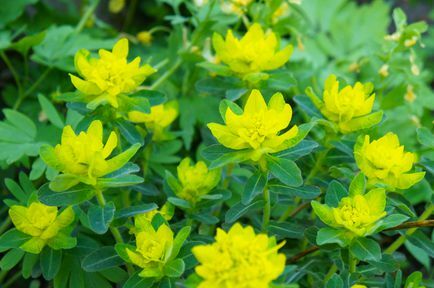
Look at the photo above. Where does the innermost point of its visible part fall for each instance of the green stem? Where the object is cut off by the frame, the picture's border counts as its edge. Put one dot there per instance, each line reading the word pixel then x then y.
pixel 13 72
pixel 12 279
pixel 166 75
pixel 86 16
pixel 317 166
pixel 267 209
pixel 352 262
pixel 330 273
pixel 115 231
pixel 130 14
pixel 398 242
pixel 24 95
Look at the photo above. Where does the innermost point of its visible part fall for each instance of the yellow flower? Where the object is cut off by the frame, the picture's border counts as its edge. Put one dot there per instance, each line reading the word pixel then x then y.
pixel 356 214
pixel 109 76
pixel 258 128
pixel 44 225
pixel 196 180
pixel 141 220
pixel 144 37
pixel 350 108
pixel 115 6
pixel 158 120
pixel 239 258
pixel 83 157
pixel 255 52
pixel 385 161
pixel 153 249
pixel 238 7
pixel 359 286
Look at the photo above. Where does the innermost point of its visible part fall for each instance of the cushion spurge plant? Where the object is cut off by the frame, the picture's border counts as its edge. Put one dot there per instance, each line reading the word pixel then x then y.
pixel 83 157
pixel 44 225
pixel 350 108
pixel 258 129
pixel 110 75
pixel 239 258
pixel 255 52
pixel 384 161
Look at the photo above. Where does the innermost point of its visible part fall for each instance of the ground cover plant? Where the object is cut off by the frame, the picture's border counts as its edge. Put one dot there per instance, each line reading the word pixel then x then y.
pixel 216 143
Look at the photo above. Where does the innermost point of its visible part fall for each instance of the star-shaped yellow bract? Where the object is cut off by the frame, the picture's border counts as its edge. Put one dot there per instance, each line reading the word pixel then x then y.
pixel 385 161
pixel 255 52
pixel 104 78
pixel 349 108
pixel 44 224
pixel 259 128
pixel 83 157
pixel 356 214
pixel 239 258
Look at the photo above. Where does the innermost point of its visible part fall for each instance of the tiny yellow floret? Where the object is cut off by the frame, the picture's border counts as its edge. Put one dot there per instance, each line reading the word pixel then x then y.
pixel 158 120
pixel 83 157
pixel 196 180
pixel 43 223
pixel 349 108
pixel 255 52
pixel 239 258
pixel 385 161
pixel 144 37
pixel 103 79
pixel 259 128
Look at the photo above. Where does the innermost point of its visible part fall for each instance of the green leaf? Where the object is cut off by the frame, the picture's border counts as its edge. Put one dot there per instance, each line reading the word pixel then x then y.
pixel 387 263
pixel 154 97
pixel 129 132
pixel 135 210
pixel 335 282
pixel 136 281
pixel 50 262
pixel 238 210
pixel 16 190
pixel 305 147
pixel 101 217
pixel 50 111
pixel 234 157
pixel 13 239
pixel 120 181
pixel 358 185
pixel 254 186
pixel 304 192
pixel 286 230
pixel 72 196
pixel 101 259
pixel 11 10
pixel 330 235
pixel 24 44
pixel 174 268
pixel 179 241
pixel 414 280
pixel 181 203
pixel 285 170
pixel 419 239
pixel 390 221
pixel 425 137
pixel 29 262
pixel 11 258
pixel 215 151
pixel 365 249
pixel 335 192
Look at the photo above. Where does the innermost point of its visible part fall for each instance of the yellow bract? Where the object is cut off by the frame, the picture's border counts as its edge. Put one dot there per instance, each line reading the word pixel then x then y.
pixel 41 222
pixel 141 220
pixel 255 52
pixel 350 108
pixel 385 161
pixel 357 214
pixel 258 128
pixel 110 75
pixel 83 157
pixel 196 180
pixel 153 249
pixel 239 258
pixel 158 120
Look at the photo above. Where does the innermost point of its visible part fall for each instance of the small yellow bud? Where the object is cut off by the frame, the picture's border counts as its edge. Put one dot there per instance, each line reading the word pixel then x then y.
pixel 354 67
pixel 410 96
pixel 410 42
pixel 300 44
pixel 384 70
pixel 115 6
pixel 415 120
pixel 415 70
pixel 393 37
pixel 144 37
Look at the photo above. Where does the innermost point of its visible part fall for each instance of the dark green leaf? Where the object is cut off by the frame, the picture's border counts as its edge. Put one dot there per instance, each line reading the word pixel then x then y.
pixel 254 186
pixel 136 281
pixel 304 192
pixel 13 239
pixel 285 170
pixel 286 230
pixel 72 196
pixel 335 193
pixel 174 268
pixel 129 132
pixel 101 259
pixel 50 262
pixel 135 210
pixel 304 148
pixel 101 217
pixel 422 241
pixel 11 258
pixel 365 249
pixel 238 210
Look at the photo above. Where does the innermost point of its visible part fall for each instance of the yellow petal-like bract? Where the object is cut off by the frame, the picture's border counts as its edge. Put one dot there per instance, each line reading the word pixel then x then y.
pixel 259 128
pixel 158 120
pixel 104 78
pixel 255 52
pixel 385 161
pixel 356 214
pixel 239 258
pixel 83 157
pixel 44 225
pixel 349 108
pixel 196 180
